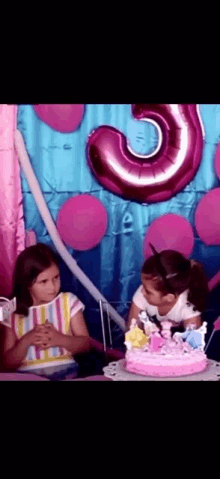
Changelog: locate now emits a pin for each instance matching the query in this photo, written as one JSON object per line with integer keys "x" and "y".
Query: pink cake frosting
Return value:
{"x": 155, "y": 364}
{"x": 163, "y": 356}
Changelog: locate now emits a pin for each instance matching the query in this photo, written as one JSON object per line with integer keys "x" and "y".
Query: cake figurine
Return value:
{"x": 168, "y": 343}
{"x": 149, "y": 327}
{"x": 158, "y": 353}
{"x": 194, "y": 337}
{"x": 135, "y": 338}
{"x": 156, "y": 341}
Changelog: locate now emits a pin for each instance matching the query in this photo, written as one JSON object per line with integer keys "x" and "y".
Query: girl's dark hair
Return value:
{"x": 172, "y": 272}
{"x": 30, "y": 263}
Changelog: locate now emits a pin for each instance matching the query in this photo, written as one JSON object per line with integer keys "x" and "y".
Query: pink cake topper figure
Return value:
{"x": 171, "y": 344}
{"x": 156, "y": 342}
{"x": 166, "y": 330}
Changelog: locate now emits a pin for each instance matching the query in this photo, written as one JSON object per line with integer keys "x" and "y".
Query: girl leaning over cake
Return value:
{"x": 173, "y": 289}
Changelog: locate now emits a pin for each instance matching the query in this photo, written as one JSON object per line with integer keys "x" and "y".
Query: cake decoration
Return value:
{"x": 135, "y": 338}
{"x": 195, "y": 337}
{"x": 158, "y": 353}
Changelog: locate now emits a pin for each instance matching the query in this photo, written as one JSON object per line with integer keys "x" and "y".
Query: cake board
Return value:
{"x": 116, "y": 371}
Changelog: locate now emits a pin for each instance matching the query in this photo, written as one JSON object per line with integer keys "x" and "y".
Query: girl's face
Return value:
{"x": 46, "y": 286}
{"x": 152, "y": 295}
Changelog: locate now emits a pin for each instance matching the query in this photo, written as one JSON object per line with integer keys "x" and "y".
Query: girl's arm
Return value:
{"x": 81, "y": 344}
{"x": 73, "y": 344}
{"x": 79, "y": 328}
{"x": 15, "y": 350}
{"x": 14, "y": 356}
{"x": 78, "y": 340}
{"x": 133, "y": 313}
{"x": 197, "y": 320}
{"x": 78, "y": 325}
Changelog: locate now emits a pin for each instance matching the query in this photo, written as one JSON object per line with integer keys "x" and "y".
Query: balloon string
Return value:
{"x": 209, "y": 341}
{"x": 46, "y": 216}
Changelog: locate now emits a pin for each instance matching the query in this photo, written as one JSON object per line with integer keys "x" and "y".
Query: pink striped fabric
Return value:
{"x": 35, "y": 323}
{"x": 58, "y": 312}
{"x": 59, "y": 318}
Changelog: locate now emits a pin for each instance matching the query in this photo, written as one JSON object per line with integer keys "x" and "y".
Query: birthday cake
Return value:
{"x": 156, "y": 352}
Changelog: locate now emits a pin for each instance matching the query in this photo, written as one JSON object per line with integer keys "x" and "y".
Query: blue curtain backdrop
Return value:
{"x": 59, "y": 162}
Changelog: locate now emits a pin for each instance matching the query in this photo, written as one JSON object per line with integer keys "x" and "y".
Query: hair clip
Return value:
{"x": 168, "y": 276}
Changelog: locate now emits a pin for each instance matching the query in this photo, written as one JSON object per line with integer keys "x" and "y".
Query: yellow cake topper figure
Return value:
{"x": 135, "y": 338}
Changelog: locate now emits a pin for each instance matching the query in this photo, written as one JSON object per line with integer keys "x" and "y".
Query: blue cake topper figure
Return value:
{"x": 194, "y": 337}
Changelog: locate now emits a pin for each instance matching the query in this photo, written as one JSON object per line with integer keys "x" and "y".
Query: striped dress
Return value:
{"x": 58, "y": 312}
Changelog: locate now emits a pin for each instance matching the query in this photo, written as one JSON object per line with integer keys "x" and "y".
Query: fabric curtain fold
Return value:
{"x": 12, "y": 229}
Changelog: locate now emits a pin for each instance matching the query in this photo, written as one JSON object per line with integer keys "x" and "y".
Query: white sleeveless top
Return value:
{"x": 181, "y": 311}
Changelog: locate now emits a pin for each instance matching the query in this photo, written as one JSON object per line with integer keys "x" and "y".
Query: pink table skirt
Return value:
{"x": 33, "y": 377}
{"x": 91, "y": 378}
{"x": 20, "y": 377}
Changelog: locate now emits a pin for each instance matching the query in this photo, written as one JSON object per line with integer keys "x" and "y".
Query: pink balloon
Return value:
{"x": 207, "y": 219}
{"x": 63, "y": 118}
{"x": 156, "y": 177}
{"x": 82, "y": 222}
{"x": 217, "y": 161}
{"x": 169, "y": 232}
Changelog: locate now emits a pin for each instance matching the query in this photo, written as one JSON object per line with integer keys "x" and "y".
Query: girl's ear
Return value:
{"x": 170, "y": 297}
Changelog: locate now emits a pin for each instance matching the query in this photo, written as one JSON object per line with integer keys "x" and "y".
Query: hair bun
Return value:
{"x": 184, "y": 266}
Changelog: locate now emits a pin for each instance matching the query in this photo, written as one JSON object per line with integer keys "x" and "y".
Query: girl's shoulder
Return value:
{"x": 12, "y": 320}
{"x": 138, "y": 294}
{"x": 71, "y": 296}
{"x": 74, "y": 303}
{"x": 17, "y": 317}
{"x": 186, "y": 308}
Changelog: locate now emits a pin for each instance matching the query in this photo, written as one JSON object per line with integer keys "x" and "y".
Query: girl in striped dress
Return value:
{"x": 48, "y": 326}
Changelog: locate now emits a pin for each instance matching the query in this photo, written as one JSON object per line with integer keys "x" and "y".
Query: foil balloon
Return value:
{"x": 63, "y": 118}
{"x": 158, "y": 176}
{"x": 52, "y": 230}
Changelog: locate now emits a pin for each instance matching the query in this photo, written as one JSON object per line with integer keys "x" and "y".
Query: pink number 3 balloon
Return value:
{"x": 160, "y": 175}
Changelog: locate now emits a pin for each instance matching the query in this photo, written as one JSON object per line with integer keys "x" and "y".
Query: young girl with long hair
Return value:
{"x": 48, "y": 329}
